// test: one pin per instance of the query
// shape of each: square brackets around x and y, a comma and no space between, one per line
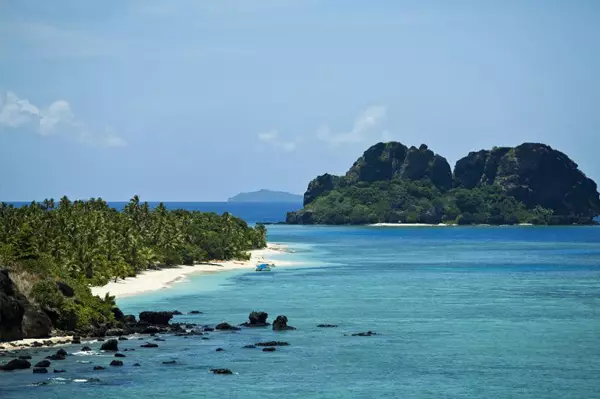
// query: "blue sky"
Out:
[199,100]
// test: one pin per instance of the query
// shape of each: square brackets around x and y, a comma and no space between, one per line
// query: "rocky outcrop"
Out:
[319,186]
[221,371]
[18,317]
[111,345]
[536,175]
[257,319]
[280,324]
[156,318]
[15,364]
[226,327]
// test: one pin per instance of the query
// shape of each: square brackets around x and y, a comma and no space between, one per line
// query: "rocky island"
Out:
[392,183]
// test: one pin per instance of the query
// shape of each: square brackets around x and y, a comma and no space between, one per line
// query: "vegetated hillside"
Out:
[52,252]
[531,183]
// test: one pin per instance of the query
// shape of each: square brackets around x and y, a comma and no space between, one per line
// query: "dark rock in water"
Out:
[249,346]
[208,329]
[257,319]
[115,332]
[327,325]
[177,313]
[158,318]
[119,355]
[100,339]
[86,349]
[98,368]
[272,343]
[59,371]
[129,319]
[110,345]
[76,340]
[149,345]
[15,364]
[36,344]
[119,316]
[62,352]
[136,365]
[221,371]
[205,338]
[48,342]
[219,350]
[195,312]
[123,338]
[226,327]
[40,370]
[160,339]
[269,349]
[116,363]
[65,289]
[170,362]
[280,324]
[43,363]
[364,334]
[150,330]
[25,357]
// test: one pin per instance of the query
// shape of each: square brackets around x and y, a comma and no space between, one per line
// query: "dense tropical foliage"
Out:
[85,243]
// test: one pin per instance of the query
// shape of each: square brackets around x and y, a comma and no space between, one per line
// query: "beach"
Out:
[408,225]
[153,280]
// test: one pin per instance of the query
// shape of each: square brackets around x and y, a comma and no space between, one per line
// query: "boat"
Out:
[263,267]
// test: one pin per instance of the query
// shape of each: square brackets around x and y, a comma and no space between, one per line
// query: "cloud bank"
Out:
[365,126]
[57,119]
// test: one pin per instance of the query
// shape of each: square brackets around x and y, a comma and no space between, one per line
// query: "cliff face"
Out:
[18,317]
[534,174]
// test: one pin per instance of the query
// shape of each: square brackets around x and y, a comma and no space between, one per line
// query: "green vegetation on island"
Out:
[531,183]
[55,251]
[266,196]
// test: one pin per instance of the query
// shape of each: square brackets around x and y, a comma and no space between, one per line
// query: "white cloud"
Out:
[365,125]
[56,119]
[272,138]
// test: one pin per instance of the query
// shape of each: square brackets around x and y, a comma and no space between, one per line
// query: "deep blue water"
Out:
[250,211]
[465,312]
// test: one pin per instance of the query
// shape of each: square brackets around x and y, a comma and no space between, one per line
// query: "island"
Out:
[51,253]
[266,196]
[391,183]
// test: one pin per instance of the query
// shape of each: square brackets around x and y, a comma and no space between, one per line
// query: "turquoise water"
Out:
[495,312]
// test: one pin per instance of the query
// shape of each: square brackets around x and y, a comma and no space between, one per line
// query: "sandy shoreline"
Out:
[408,225]
[153,280]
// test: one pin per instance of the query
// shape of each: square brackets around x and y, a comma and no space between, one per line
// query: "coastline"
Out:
[153,280]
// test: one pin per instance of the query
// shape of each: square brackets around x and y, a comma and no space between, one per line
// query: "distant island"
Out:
[391,183]
[266,196]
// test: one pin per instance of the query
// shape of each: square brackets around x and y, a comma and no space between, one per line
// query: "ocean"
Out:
[459,312]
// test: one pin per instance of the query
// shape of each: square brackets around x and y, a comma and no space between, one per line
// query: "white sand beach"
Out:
[26,343]
[153,280]
[409,225]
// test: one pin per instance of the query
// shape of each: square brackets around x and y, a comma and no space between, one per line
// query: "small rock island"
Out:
[391,183]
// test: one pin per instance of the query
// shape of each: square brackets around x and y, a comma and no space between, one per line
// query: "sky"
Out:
[191,100]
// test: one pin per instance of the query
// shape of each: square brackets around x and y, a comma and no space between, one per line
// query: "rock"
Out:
[119,316]
[280,324]
[100,339]
[15,364]
[150,330]
[364,334]
[115,332]
[65,289]
[116,363]
[208,329]
[43,363]
[170,362]
[160,339]
[98,368]
[35,323]
[272,343]
[123,338]
[36,344]
[119,355]
[219,350]
[157,318]
[195,312]
[149,345]
[136,365]
[256,319]
[129,319]
[177,313]
[86,349]
[40,370]
[226,327]
[327,325]
[269,349]
[76,340]
[249,346]
[12,308]
[110,345]
[221,371]
[25,357]
[59,371]
[62,352]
